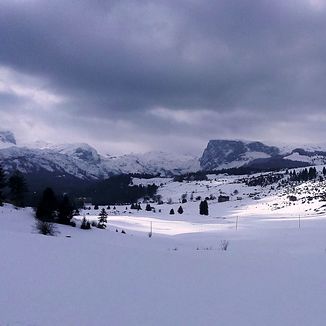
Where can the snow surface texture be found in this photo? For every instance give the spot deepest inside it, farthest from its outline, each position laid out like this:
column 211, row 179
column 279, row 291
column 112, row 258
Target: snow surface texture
column 272, row 273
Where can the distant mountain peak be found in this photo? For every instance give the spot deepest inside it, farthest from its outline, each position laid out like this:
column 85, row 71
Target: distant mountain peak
column 224, row 153
column 80, row 151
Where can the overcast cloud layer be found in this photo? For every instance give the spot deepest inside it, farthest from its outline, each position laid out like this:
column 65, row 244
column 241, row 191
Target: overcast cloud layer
column 165, row 75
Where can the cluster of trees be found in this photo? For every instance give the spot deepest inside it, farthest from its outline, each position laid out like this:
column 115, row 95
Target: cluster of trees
column 242, row 170
column 193, row 176
column 101, row 224
column 136, row 206
column 304, row 175
column 180, row 210
column 144, row 175
column 13, row 189
column 52, row 208
column 119, row 190
column 263, row 180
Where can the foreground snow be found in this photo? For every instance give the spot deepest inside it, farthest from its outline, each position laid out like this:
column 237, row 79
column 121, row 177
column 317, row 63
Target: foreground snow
column 273, row 273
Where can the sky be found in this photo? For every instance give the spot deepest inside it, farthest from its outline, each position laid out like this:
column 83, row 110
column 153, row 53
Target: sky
column 135, row 75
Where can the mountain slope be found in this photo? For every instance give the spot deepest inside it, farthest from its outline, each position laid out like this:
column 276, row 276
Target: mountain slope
column 224, row 154
column 84, row 162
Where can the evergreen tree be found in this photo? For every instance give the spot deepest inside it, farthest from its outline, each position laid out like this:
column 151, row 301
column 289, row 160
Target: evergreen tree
column 18, row 189
column 171, row 211
column 312, row 174
column 85, row 225
column 47, row 207
column 148, row 208
column 2, row 185
column 65, row 210
column 102, row 219
column 180, row 210
column 203, row 207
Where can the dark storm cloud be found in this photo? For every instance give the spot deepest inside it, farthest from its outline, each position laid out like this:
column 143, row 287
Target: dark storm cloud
column 214, row 68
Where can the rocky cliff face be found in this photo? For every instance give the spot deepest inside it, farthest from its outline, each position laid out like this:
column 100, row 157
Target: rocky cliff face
column 234, row 153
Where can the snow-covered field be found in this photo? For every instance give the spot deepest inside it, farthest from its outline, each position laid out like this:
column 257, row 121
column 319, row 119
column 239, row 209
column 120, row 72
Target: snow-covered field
column 272, row 273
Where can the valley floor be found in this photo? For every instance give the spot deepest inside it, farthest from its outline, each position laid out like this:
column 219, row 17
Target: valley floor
column 272, row 273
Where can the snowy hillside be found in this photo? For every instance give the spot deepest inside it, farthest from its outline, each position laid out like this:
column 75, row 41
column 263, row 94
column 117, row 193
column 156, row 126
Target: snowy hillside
column 257, row 259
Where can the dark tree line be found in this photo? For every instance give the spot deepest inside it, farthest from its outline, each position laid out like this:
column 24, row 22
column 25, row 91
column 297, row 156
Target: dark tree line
column 192, row 176
column 13, row 189
column 263, row 180
column 119, row 190
column 53, row 209
column 304, row 175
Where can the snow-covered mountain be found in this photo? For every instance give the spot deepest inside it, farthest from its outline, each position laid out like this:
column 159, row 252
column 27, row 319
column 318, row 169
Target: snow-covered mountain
column 153, row 163
column 234, row 153
column 84, row 162
column 224, row 154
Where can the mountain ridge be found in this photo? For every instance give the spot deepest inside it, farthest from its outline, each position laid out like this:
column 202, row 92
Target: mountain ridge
column 84, row 162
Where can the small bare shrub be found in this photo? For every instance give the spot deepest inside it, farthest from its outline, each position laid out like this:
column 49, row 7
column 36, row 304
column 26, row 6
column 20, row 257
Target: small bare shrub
column 224, row 244
column 45, row 228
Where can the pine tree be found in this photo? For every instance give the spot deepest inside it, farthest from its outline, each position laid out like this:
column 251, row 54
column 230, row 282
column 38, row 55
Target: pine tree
column 65, row 210
column 85, row 225
column 172, row 211
column 180, row 210
column 312, row 174
column 47, row 207
column 203, row 207
column 18, row 189
column 148, row 208
column 102, row 219
column 2, row 185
